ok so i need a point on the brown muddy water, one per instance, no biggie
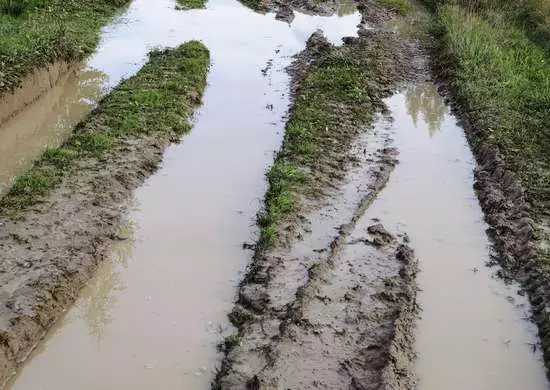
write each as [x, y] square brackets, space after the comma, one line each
[474, 331]
[47, 121]
[155, 312]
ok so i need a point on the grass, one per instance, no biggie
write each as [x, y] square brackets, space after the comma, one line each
[12, 7]
[157, 101]
[400, 6]
[190, 4]
[34, 33]
[503, 80]
[532, 16]
[337, 97]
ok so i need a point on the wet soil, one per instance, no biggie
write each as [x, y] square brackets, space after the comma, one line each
[335, 306]
[335, 303]
[332, 304]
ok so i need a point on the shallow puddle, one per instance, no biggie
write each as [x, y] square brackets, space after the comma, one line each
[154, 313]
[474, 331]
[47, 122]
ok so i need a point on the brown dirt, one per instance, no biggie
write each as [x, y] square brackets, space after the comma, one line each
[334, 306]
[31, 88]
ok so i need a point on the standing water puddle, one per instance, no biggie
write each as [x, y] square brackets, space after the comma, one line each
[152, 315]
[474, 331]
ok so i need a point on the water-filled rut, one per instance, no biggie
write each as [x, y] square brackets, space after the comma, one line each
[474, 330]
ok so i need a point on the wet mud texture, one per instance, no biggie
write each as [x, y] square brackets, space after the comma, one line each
[332, 304]
[284, 9]
[50, 249]
[511, 218]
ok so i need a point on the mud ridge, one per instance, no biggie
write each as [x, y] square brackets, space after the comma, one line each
[291, 332]
[510, 216]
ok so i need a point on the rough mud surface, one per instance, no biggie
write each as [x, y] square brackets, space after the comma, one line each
[48, 256]
[332, 304]
[50, 246]
[372, 12]
[516, 232]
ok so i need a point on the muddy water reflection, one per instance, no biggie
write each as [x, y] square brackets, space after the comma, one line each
[424, 101]
[48, 121]
[473, 333]
[155, 321]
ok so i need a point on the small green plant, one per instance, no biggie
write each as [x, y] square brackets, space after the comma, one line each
[95, 143]
[190, 4]
[231, 342]
[59, 157]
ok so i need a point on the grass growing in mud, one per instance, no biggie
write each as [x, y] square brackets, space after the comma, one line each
[339, 96]
[190, 4]
[34, 33]
[502, 79]
[156, 101]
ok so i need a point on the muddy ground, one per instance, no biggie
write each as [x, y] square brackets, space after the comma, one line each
[332, 304]
[51, 242]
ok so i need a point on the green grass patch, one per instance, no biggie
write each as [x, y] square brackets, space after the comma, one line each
[59, 157]
[190, 4]
[34, 33]
[502, 79]
[29, 187]
[340, 94]
[532, 16]
[400, 6]
[157, 101]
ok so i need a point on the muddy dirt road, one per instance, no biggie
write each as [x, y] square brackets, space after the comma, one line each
[193, 216]
[386, 285]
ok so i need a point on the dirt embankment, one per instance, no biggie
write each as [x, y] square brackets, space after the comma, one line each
[329, 300]
[58, 220]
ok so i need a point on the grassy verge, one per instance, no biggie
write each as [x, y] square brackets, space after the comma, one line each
[34, 33]
[532, 16]
[337, 98]
[156, 101]
[502, 79]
